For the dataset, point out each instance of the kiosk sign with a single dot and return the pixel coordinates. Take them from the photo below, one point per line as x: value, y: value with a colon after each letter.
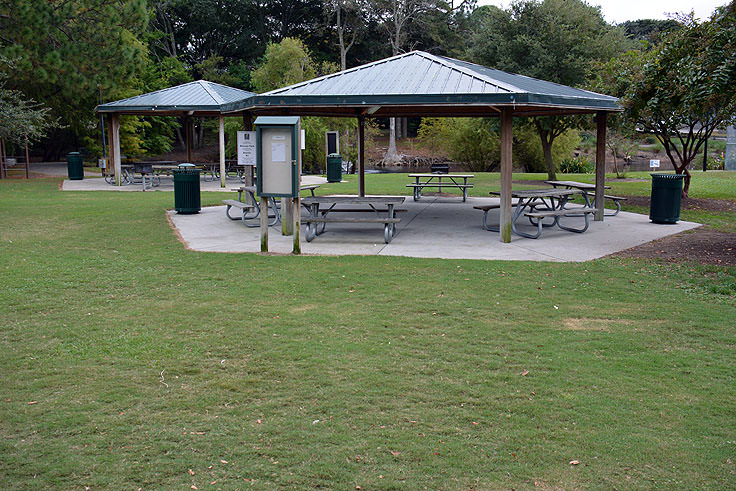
x: 277, y: 156
x: 246, y: 148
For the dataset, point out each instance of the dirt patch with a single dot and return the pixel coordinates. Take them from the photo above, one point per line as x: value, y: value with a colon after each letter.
x: 577, y: 324
x: 702, y: 244
x: 719, y: 205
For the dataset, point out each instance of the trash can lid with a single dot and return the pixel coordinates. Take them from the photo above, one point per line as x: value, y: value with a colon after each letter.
x: 668, y: 176
x: 73, y: 153
x: 186, y: 165
x: 334, y: 155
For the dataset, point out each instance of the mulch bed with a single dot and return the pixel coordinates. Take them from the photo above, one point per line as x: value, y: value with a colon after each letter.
x: 702, y: 245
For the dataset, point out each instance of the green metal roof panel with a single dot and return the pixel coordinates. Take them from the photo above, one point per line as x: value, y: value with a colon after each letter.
x: 201, y: 95
x: 280, y: 120
x: 418, y: 78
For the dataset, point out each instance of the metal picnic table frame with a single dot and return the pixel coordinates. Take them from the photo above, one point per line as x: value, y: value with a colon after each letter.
x: 429, y: 181
x: 374, y: 203
x: 551, y: 200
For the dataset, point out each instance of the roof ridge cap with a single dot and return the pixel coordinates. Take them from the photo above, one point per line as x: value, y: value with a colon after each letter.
x: 147, y: 93
x: 341, y: 72
x: 471, y: 73
x: 205, y: 85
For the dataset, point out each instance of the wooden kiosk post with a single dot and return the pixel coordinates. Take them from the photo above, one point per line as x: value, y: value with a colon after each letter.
x: 278, y: 160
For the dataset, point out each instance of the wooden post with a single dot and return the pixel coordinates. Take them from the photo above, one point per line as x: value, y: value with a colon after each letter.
x: 297, y: 247
x: 3, y: 171
x: 600, y: 165
x: 250, y: 170
x: 188, y: 132
x: 115, y: 147
x: 506, y: 172
x: 264, y: 224
x: 296, y: 211
x: 287, y: 219
x: 223, y: 174
x: 28, y: 162
x: 361, y: 155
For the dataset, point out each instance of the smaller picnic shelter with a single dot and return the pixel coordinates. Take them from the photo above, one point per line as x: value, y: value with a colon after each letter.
x: 193, y: 99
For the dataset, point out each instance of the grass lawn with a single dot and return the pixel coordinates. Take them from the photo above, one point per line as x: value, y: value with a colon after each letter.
x: 130, y: 362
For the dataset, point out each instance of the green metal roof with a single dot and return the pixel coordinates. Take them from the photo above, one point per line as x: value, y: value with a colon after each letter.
x: 420, y: 79
x: 280, y: 120
x: 199, y: 96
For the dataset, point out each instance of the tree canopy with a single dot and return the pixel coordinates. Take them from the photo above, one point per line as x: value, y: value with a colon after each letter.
x: 685, y: 88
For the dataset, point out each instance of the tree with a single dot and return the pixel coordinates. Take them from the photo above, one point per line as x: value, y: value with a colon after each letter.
x: 65, y: 51
x: 21, y: 120
x: 349, y: 24
x: 287, y: 63
x: 649, y: 30
x: 554, y: 40
x: 685, y: 88
x: 395, y: 17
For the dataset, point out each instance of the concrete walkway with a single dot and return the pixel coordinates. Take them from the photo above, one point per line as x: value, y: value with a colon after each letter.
x: 436, y: 227
x: 167, y: 184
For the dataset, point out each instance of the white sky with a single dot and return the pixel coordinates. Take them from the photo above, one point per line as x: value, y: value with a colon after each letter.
x: 617, y: 11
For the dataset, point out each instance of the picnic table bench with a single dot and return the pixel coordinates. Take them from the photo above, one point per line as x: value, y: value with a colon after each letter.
x: 538, y: 204
x: 382, y: 206
x: 586, y: 189
x: 434, y: 180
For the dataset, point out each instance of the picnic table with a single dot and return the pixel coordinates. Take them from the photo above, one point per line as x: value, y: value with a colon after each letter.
x: 434, y: 180
x: 320, y: 207
x: 586, y: 189
x: 538, y: 204
x: 250, y: 205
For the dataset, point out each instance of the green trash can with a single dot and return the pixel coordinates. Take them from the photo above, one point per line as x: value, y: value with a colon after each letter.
x: 74, y: 166
x: 186, y: 189
x: 334, y: 167
x: 664, y: 206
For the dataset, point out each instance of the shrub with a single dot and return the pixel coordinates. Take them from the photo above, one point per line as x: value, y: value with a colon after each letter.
x: 577, y: 165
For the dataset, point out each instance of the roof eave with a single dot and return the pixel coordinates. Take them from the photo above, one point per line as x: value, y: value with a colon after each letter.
x: 496, y: 99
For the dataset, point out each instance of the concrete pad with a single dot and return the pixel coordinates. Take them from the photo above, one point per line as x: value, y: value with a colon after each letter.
x: 167, y: 184
x: 434, y: 227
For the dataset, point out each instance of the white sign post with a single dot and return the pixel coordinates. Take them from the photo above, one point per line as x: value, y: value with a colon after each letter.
x: 246, y: 148
x: 654, y: 164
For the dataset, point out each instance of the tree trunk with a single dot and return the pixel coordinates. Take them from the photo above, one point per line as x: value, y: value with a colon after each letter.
x: 547, y: 150
x: 686, y: 181
x: 391, y: 154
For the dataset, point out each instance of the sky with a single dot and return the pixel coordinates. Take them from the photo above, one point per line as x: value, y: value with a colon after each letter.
x: 617, y: 11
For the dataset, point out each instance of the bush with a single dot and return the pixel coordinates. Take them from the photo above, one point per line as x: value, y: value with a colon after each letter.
x: 528, y: 152
x: 577, y: 165
x: 716, y: 163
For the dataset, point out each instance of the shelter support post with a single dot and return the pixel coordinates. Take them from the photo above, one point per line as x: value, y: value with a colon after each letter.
x: 115, y: 147
x: 361, y: 155
x: 3, y: 165
x: 249, y: 171
x: 188, y: 131
x: 600, y: 165
x: 28, y: 162
x: 507, y: 116
x: 223, y: 174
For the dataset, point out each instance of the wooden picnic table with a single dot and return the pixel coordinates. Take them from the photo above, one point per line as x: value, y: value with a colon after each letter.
x: 585, y: 188
x: 538, y: 204
x: 434, y: 180
x: 382, y: 206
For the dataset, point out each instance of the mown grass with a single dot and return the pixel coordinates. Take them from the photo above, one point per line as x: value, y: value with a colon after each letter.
x: 710, y: 185
x: 129, y: 360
